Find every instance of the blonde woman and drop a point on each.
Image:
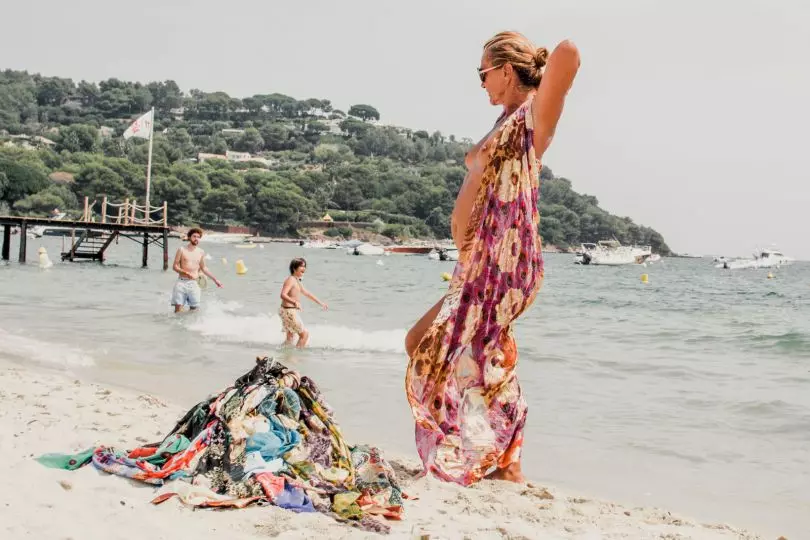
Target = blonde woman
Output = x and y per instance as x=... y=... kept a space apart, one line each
x=461 y=380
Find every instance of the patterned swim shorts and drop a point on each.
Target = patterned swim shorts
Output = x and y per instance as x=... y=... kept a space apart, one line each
x=290 y=321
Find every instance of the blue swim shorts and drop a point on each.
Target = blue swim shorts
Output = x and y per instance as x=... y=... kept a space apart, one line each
x=186 y=291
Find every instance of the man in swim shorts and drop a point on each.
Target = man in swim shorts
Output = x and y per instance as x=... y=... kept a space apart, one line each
x=189 y=262
x=291 y=292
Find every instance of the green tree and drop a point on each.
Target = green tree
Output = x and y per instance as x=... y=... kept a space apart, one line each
x=79 y=138
x=183 y=206
x=23 y=174
x=42 y=202
x=250 y=141
x=223 y=204
x=181 y=140
x=276 y=137
x=53 y=90
x=364 y=112
x=192 y=177
x=278 y=209
x=96 y=180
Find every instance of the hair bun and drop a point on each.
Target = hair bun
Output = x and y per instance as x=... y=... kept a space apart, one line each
x=540 y=57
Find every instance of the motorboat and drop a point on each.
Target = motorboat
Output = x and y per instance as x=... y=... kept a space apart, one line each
x=369 y=249
x=443 y=254
x=765 y=258
x=605 y=253
x=612 y=253
x=320 y=244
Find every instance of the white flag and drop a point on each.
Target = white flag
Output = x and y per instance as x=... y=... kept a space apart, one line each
x=142 y=127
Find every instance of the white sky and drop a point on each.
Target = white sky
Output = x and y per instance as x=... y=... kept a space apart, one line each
x=688 y=116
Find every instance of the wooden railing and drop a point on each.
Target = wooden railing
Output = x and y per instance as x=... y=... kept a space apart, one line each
x=126 y=213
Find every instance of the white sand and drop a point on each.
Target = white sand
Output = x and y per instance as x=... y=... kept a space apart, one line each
x=42 y=412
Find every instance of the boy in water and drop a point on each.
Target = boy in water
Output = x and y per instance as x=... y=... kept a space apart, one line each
x=291 y=293
x=188 y=263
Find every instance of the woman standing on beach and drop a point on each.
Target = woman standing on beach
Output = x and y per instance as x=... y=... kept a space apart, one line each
x=461 y=381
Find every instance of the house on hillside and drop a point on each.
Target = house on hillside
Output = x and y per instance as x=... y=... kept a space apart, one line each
x=236 y=157
x=30 y=142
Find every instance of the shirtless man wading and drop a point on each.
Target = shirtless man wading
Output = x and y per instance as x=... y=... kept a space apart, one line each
x=188 y=263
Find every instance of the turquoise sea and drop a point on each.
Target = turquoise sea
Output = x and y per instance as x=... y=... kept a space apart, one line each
x=691 y=392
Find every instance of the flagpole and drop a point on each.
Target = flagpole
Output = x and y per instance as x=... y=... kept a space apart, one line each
x=149 y=166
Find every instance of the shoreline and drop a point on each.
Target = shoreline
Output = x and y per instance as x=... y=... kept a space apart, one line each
x=43 y=410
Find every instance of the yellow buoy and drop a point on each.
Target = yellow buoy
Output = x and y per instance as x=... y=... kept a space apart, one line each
x=645 y=278
x=240 y=267
x=446 y=276
x=224 y=260
x=770 y=275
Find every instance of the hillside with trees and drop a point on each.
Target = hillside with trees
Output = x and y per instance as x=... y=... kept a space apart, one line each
x=269 y=161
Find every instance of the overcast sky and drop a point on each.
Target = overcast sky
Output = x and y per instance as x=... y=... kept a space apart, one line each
x=691 y=116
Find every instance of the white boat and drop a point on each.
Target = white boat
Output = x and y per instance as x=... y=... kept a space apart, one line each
x=642 y=253
x=449 y=254
x=605 y=253
x=765 y=258
x=612 y=253
x=443 y=254
x=369 y=249
x=320 y=244
x=39 y=231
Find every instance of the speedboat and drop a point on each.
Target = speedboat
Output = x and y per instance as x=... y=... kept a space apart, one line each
x=443 y=254
x=369 y=249
x=607 y=253
x=765 y=258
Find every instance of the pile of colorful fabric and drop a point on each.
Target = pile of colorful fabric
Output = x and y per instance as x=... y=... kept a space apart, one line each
x=269 y=438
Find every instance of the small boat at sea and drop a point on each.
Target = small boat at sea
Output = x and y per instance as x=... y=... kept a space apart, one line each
x=611 y=253
x=443 y=254
x=765 y=258
x=320 y=244
x=409 y=249
x=369 y=249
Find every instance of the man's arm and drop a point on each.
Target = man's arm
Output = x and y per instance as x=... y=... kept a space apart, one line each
x=204 y=270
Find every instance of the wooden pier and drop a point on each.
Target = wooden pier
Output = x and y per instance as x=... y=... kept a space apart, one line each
x=92 y=234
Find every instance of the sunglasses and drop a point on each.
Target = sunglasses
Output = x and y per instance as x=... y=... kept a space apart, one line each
x=482 y=73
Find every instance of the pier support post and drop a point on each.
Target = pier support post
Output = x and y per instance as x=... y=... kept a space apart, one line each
x=23 y=240
x=6 y=242
x=165 y=249
x=145 y=250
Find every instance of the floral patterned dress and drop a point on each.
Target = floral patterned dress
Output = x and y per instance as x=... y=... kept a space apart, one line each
x=461 y=381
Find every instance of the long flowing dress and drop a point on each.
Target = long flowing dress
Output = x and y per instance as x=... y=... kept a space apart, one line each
x=461 y=381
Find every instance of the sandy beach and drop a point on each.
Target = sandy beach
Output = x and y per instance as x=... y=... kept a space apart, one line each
x=43 y=411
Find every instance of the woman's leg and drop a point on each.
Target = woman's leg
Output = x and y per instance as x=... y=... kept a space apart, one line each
x=416 y=333
x=510 y=473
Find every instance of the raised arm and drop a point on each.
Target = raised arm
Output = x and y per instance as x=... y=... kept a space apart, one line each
x=558 y=77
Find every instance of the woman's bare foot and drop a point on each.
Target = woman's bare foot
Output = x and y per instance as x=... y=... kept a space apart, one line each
x=512 y=473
